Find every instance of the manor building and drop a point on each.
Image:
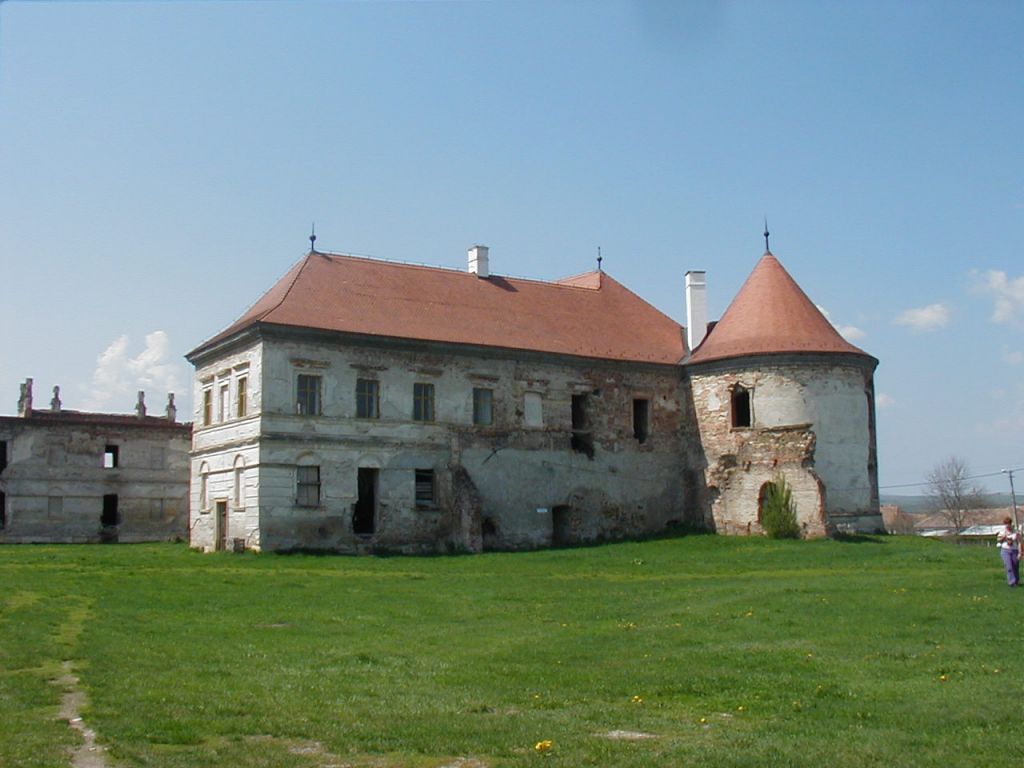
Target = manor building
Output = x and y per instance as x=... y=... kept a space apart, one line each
x=82 y=477
x=364 y=406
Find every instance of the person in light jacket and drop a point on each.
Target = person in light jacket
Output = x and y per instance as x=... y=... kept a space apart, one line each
x=1008 y=540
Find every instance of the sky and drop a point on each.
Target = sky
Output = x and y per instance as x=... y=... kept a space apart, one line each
x=162 y=164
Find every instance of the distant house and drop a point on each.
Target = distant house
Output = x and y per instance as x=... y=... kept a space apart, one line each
x=977 y=523
x=72 y=476
x=363 y=405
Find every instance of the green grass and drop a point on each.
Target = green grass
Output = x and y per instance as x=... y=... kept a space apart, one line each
x=729 y=652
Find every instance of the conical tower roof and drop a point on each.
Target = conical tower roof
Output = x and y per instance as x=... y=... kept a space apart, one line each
x=771 y=315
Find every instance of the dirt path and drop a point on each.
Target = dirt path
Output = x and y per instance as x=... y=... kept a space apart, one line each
x=89 y=754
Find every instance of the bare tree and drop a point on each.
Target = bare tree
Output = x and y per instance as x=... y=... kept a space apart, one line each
x=951 y=490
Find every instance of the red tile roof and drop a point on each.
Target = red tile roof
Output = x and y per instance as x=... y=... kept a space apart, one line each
x=589 y=315
x=771 y=315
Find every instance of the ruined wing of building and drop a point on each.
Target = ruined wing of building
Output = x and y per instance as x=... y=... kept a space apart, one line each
x=79 y=477
x=363 y=405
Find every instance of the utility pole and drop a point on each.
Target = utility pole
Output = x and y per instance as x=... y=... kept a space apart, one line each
x=1013 y=495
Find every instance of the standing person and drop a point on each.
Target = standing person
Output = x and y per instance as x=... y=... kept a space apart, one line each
x=1009 y=549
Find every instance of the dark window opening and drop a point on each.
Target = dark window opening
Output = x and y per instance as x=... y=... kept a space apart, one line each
x=3 y=510
x=367 y=399
x=641 y=419
x=365 y=513
x=110 y=516
x=307 y=395
x=425 y=496
x=483 y=407
x=110 y=456
x=422 y=402
x=582 y=440
x=3 y=455
x=741 y=407
x=307 y=486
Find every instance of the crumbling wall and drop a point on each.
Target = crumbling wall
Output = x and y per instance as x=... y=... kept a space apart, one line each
x=497 y=485
x=56 y=485
x=810 y=422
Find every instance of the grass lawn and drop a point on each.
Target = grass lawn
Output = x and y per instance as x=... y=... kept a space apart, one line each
x=702 y=650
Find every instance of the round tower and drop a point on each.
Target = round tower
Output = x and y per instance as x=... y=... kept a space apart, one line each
x=777 y=392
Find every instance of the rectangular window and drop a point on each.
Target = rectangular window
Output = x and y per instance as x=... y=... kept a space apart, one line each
x=111 y=455
x=422 y=402
x=241 y=397
x=367 y=399
x=224 y=404
x=3 y=455
x=307 y=400
x=3 y=510
x=307 y=486
x=483 y=407
x=641 y=419
x=533 y=412
x=207 y=407
x=425 y=488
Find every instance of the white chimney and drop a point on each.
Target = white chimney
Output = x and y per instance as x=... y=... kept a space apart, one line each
x=696 y=309
x=479 y=263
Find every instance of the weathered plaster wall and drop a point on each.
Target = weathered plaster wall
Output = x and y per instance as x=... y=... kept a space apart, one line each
x=55 y=481
x=810 y=422
x=506 y=485
x=225 y=452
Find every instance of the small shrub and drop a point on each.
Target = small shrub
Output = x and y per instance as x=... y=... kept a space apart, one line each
x=778 y=510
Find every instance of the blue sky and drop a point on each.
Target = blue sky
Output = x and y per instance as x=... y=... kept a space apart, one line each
x=161 y=164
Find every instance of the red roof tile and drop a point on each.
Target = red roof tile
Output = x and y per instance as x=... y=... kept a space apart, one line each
x=770 y=315
x=589 y=315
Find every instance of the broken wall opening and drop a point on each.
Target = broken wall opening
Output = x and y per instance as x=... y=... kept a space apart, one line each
x=364 y=514
x=561 y=525
x=582 y=440
x=741 y=415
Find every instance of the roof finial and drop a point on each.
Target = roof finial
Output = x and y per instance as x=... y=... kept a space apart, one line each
x=312 y=238
x=766 y=248
x=599 y=259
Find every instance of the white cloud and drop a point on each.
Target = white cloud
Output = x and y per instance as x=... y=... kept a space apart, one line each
x=883 y=400
x=922 y=319
x=118 y=376
x=1013 y=356
x=848 y=332
x=1007 y=295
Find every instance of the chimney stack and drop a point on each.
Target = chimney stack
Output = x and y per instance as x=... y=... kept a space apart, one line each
x=172 y=410
x=140 y=406
x=25 y=401
x=479 y=262
x=696 y=308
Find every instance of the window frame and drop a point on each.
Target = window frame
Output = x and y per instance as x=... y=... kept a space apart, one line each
x=242 y=397
x=478 y=404
x=309 y=386
x=307 y=488
x=367 y=398
x=537 y=398
x=425 y=478
x=423 y=402
x=207 y=406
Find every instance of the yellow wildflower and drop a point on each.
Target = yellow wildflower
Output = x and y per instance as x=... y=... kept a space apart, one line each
x=543 y=746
